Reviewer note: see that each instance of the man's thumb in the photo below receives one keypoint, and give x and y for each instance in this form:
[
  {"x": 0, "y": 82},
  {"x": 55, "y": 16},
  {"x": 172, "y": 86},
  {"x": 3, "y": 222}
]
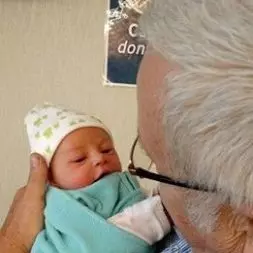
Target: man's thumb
[{"x": 38, "y": 173}]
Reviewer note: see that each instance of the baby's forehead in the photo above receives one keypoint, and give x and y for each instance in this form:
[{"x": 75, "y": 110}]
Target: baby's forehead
[{"x": 86, "y": 136}]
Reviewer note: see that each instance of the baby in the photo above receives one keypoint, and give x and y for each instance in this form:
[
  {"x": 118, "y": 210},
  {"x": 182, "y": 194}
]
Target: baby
[{"x": 91, "y": 205}]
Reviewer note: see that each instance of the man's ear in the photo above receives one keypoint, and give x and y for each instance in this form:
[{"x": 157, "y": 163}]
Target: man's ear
[{"x": 246, "y": 210}]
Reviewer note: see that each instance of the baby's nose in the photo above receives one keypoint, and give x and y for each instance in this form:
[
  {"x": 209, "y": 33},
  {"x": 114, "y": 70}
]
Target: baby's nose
[{"x": 98, "y": 159}]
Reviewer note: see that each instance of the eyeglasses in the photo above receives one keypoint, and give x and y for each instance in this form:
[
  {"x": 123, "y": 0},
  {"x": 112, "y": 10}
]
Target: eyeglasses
[{"x": 145, "y": 173}]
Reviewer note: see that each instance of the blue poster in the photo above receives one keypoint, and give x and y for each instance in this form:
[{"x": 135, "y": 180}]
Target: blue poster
[{"x": 125, "y": 46}]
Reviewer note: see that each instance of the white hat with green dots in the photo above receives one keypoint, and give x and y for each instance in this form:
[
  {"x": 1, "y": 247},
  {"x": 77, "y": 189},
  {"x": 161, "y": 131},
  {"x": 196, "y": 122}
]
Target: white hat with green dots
[{"x": 48, "y": 124}]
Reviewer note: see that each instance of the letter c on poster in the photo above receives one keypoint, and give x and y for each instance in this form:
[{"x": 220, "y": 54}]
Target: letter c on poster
[{"x": 132, "y": 30}]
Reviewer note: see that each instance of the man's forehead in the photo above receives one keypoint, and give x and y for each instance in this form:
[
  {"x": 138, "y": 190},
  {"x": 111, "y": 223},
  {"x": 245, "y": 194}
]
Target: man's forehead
[{"x": 156, "y": 64}]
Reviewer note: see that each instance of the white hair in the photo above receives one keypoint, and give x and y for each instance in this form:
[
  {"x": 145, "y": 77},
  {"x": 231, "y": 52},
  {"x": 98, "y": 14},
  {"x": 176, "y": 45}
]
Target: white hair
[{"x": 209, "y": 110}]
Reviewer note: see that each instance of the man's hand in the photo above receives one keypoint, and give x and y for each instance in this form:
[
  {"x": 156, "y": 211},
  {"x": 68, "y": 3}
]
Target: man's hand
[{"x": 25, "y": 218}]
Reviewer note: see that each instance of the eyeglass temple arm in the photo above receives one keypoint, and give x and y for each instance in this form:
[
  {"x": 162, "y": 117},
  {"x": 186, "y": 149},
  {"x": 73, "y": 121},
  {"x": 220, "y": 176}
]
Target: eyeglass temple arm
[{"x": 164, "y": 179}]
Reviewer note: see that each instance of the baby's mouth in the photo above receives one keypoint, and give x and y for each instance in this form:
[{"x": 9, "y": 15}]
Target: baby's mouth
[{"x": 102, "y": 176}]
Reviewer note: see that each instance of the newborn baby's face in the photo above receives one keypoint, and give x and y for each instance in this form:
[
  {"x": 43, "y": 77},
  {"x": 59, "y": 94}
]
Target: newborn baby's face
[{"x": 83, "y": 157}]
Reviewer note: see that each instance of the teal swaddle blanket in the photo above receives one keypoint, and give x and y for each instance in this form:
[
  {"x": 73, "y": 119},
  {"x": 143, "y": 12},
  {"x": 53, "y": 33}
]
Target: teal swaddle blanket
[{"x": 76, "y": 220}]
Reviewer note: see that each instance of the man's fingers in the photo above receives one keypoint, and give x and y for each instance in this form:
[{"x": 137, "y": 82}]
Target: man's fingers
[
  {"x": 12, "y": 208},
  {"x": 38, "y": 175},
  {"x": 19, "y": 194}
]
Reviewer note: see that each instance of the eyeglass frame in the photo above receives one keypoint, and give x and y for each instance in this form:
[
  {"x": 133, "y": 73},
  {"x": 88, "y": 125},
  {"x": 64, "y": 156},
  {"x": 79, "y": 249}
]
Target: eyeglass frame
[{"x": 144, "y": 173}]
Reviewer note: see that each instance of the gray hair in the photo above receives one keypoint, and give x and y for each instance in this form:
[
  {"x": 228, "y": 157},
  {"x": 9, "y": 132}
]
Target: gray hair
[{"x": 209, "y": 110}]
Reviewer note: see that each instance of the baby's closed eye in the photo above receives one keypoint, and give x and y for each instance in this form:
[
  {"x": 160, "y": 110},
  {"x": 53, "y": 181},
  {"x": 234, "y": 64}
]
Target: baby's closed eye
[
  {"x": 107, "y": 150},
  {"x": 79, "y": 159}
]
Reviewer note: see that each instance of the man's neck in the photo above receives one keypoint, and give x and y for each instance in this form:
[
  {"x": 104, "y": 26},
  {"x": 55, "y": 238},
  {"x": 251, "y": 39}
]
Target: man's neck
[{"x": 173, "y": 199}]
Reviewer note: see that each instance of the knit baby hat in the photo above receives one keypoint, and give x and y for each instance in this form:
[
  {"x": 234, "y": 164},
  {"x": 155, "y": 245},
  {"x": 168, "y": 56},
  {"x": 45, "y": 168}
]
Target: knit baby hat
[{"x": 48, "y": 124}]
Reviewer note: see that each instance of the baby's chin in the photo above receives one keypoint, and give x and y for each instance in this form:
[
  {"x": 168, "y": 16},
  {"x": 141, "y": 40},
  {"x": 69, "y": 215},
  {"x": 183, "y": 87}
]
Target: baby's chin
[
  {"x": 103, "y": 176},
  {"x": 79, "y": 184},
  {"x": 68, "y": 186}
]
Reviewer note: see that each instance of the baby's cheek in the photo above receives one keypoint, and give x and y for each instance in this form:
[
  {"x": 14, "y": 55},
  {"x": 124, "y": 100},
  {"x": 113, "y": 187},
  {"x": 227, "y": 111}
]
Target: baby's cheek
[
  {"x": 80, "y": 180},
  {"x": 116, "y": 165}
]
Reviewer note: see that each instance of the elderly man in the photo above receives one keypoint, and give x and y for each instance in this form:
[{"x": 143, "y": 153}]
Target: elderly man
[
  {"x": 195, "y": 94},
  {"x": 195, "y": 102}
]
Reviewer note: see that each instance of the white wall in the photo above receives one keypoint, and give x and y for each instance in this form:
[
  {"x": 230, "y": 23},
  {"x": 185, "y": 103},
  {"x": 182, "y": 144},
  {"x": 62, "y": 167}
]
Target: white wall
[{"x": 53, "y": 50}]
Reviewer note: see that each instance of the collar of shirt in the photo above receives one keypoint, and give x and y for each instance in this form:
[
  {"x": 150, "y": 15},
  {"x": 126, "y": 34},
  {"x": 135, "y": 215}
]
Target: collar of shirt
[{"x": 175, "y": 243}]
